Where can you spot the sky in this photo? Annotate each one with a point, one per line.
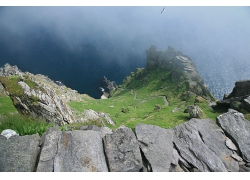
(79, 45)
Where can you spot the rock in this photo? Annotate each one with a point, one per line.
(237, 128)
(84, 127)
(19, 153)
(80, 151)
(9, 70)
(213, 136)
(242, 88)
(156, 145)
(122, 151)
(91, 115)
(175, 168)
(230, 144)
(244, 168)
(237, 157)
(180, 66)
(108, 85)
(246, 103)
(49, 149)
(238, 99)
(176, 157)
(194, 111)
(190, 144)
(105, 130)
(8, 133)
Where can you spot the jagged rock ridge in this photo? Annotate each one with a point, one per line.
(181, 66)
(32, 97)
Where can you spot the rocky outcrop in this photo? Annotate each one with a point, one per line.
(191, 147)
(122, 151)
(35, 99)
(237, 129)
(91, 115)
(107, 86)
(180, 66)
(238, 99)
(196, 145)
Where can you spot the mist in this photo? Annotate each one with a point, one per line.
(79, 45)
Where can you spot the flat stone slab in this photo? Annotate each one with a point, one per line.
(189, 143)
(80, 151)
(237, 128)
(19, 153)
(157, 146)
(122, 151)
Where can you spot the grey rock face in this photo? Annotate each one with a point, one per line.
(237, 128)
(122, 151)
(246, 103)
(242, 88)
(190, 145)
(214, 138)
(157, 146)
(49, 150)
(9, 70)
(48, 105)
(19, 153)
(80, 151)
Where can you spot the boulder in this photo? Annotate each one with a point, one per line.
(49, 149)
(246, 103)
(194, 111)
(80, 151)
(215, 139)
(237, 128)
(241, 88)
(8, 133)
(122, 151)
(189, 142)
(19, 153)
(156, 145)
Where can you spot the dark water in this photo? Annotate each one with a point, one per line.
(80, 45)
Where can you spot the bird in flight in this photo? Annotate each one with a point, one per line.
(163, 10)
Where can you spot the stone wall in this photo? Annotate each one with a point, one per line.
(196, 145)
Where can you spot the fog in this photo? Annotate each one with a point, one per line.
(80, 45)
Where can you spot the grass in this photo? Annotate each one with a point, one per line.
(24, 125)
(140, 100)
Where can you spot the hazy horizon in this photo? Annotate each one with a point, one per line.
(78, 45)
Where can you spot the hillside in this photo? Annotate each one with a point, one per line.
(167, 92)
(158, 94)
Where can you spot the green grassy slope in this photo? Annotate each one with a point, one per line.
(140, 99)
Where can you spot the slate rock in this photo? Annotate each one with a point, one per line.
(215, 139)
(191, 147)
(19, 153)
(230, 144)
(237, 157)
(237, 128)
(157, 146)
(48, 150)
(80, 151)
(122, 151)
